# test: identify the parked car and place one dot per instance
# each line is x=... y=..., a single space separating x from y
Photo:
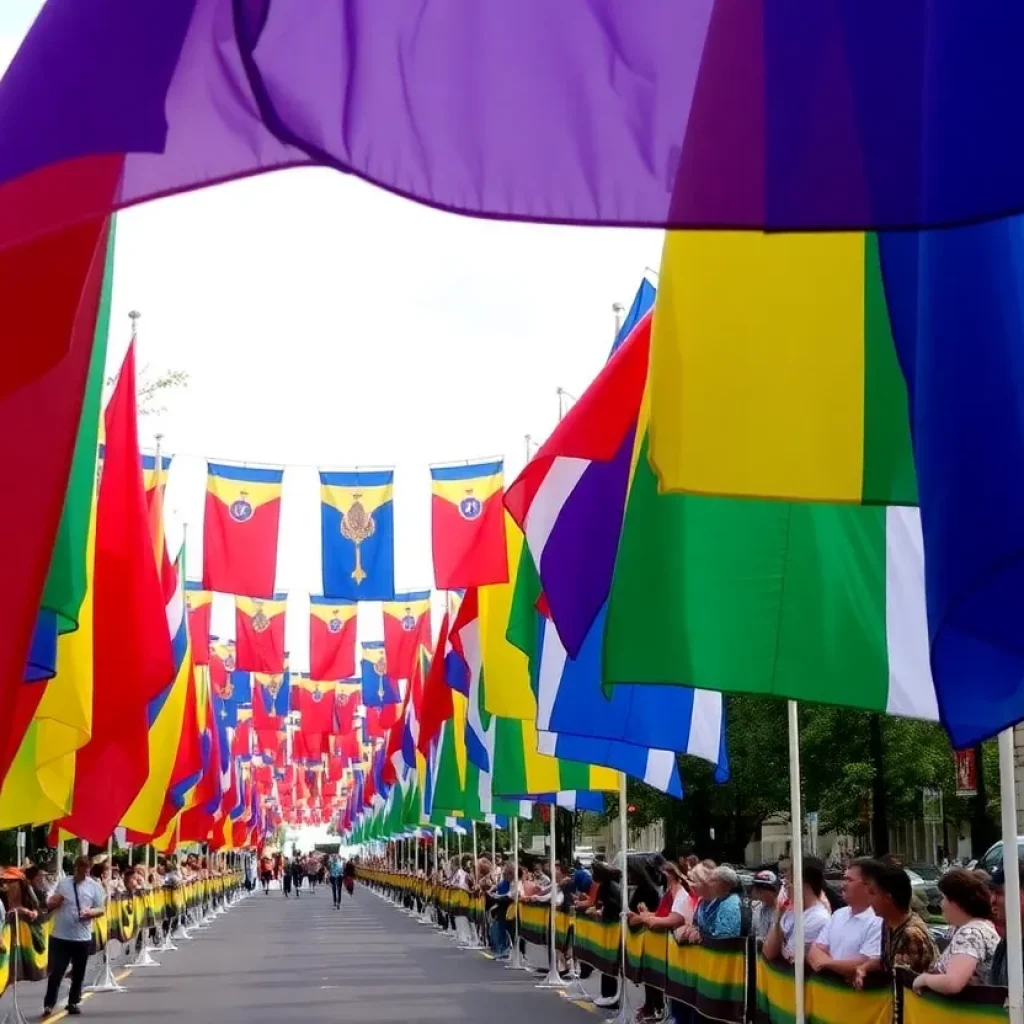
x=994 y=855
x=924 y=879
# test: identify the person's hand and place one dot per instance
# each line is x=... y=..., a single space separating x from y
x=921 y=983
x=859 y=975
x=29 y=915
x=592 y=912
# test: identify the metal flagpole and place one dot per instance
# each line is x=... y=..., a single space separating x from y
x=14 y=1015
x=553 y=978
x=797 y=844
x=1011 y=869
x=494 y=843
x=60 y=860
x=619 y=312
x=516 y=961
x=624 y=1015
x=105 y=980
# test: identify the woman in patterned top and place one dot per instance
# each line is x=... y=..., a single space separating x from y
x=967 y=906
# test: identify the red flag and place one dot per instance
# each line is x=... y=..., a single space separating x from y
x=132 y=655
x=332 y=638
x=437 y=706
x=468 y=525
x=259 y=634
x=200 y=608
x=406 y=627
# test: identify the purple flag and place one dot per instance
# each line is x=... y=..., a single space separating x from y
x=703 y=113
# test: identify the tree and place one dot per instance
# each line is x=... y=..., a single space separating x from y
x=152 y=388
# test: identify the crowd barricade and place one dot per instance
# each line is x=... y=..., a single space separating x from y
x=727 y=980
x=123 y=920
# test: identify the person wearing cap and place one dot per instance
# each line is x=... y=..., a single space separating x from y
x=764 y=891
x=999 y=972
x=853 y=935
x=77 y=901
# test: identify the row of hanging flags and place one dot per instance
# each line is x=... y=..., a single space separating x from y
x=357 y=528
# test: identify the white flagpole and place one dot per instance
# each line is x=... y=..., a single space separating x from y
x=797 y=835
x=515 y=961
x=553 y=979
x=1011 y=857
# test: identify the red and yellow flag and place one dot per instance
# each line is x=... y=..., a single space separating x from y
x=259 y=634
x=468 y=525
x=406 y=627
x=243 y=512
x=332 y=638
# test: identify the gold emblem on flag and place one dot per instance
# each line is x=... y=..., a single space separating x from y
x=273 y=685
x=408 y=620
x=380 y=666
x=357 y=525
x=260 y=622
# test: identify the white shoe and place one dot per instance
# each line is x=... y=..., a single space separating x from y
x=606 y=1001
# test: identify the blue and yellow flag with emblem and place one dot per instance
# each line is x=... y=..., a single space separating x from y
x=378 y=686
x=357 y=525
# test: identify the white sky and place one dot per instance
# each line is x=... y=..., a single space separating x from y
x=325 y=323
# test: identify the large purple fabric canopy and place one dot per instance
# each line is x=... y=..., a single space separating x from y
x=774 y=114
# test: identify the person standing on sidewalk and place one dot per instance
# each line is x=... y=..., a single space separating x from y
x=76 y=902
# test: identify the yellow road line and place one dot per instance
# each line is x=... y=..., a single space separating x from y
x=61 y=1014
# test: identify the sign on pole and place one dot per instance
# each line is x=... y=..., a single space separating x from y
x=966 y=773
x=932 y=806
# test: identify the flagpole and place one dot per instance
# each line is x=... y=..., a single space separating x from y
x=515 y=960
x=1011 y=870
x=797 y=860
x=619 y=312
x=553 y=979
x=105 y=980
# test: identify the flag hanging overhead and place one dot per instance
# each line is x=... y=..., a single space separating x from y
x=199 y=603
x=406 y=629
x=379 y=688
x=151 y=479
x=243 y=511
x=332 y=638
x=467 y=525
x=358 y=534
x=259 y=633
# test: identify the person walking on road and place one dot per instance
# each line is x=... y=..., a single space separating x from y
x=335 y=870
x=76 y=902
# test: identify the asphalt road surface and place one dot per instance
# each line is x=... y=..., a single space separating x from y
x=271 y=960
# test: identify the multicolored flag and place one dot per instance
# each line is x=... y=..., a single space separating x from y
x=240 y=528
x=199 y=603
x=745 y=399
x=379 y=688
x=467 y=525
x=48 y=721
x=259 y=633
x=50 y=368
x=166 y=724
x=357 y=529
x=154 y=483
x=807 y=601
x=436 y=706
x=133 y=662
x=332 y=638
x=406 y=629
x=570 y=497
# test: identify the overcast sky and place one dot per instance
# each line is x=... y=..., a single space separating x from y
x=325 y=323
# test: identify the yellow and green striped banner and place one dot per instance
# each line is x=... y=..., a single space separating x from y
x=711 y=977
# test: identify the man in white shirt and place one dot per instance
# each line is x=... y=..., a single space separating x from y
x=782 y=934
x=76 y=902
x=853 y=935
